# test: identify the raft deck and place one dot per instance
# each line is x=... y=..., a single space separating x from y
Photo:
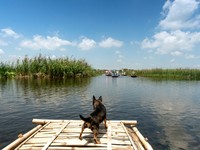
x=64 y=135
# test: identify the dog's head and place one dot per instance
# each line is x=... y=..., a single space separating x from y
x=97 y=102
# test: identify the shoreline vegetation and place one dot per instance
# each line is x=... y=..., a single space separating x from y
x=46 y=67
x=165 y=74
x=170 y=74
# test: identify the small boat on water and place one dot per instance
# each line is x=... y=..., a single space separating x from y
x=115 y=73
x=64 y=134
x=108 y=73
x=133 y=76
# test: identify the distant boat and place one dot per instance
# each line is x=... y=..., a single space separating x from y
x=133 y=76
x=108 y=73
x=115 y=73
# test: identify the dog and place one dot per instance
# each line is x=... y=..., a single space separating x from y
x=95 y=118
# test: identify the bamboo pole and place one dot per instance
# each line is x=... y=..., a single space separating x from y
x=43 y=121
x=109 y=144
x=22 y=143
x=135 y=139
x=54 y=137
x=142 y=139
x=127 y=122
x=21 y=139
x=132 y=143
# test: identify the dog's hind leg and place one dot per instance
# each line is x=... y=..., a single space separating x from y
x=95 y=132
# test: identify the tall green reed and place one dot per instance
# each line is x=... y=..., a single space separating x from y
x=177 y=74
x=43 y=66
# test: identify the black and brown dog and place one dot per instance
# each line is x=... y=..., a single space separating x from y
x=95 y=118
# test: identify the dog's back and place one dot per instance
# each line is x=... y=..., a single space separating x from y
x=95 y=118
x=99 y=113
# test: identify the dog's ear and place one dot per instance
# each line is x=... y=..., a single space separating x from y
x=100 y=98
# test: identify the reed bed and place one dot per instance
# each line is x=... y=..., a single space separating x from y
x=41 y=66
x=176 y=74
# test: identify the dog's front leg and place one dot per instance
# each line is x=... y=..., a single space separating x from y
x=105 y=123
x=83 y=127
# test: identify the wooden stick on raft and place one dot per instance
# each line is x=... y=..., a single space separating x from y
x=142 y=139
x=132 y=143
x=54 y=137
x=22 y=143
x=43 y=121
x=109 y=144
x=21 y=139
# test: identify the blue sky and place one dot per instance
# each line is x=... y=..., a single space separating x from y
x=108 y=34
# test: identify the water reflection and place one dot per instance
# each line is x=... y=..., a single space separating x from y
x=172 y=103
x=167 y=111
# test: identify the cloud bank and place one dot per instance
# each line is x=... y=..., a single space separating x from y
x=1 y=52
x=86 y=44
x=178 y=30
x=172 y=42
x=110 y=42
x=39 y=42
x=8 y=32
x=48 y=43
x=180 y=14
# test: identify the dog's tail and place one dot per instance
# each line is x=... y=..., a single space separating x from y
x=85 y=119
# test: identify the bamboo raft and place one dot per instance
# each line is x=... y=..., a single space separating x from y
x=64 y=135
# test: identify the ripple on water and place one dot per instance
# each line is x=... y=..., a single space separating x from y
x=167 y=111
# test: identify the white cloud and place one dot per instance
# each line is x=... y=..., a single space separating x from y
x=119 y=56
x=191 y=56
x=180 y=14
x=8 y=32
x=3 y=43
x=1 y=52
x=110 y=42
x=87 y=44
x=178 y=30
x=48 y=43
x=119 y=60
x=173 y=42
x=166 y=7
x=176 y=53
x=63 y=49
x=53 y=57
x=148 y=58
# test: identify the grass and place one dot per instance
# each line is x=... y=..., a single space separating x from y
x=175 y=74
x=41 y=66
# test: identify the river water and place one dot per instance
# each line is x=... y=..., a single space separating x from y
x=168 y=112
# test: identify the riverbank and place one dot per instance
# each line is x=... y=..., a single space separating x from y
x=64 y=67
x=172 y=74
x=46 y=67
